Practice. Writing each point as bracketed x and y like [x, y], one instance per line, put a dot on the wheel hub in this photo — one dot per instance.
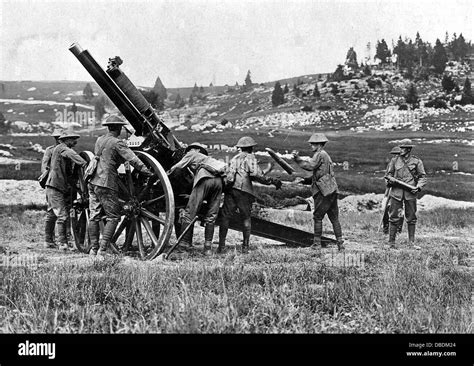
[132, 207]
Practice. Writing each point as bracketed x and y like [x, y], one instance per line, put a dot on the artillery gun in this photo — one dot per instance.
[150, 205]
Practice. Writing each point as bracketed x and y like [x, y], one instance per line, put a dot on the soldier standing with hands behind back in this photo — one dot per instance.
[323, 187]
[408, 169]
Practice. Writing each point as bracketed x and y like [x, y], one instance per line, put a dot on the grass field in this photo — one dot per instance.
[275, 289]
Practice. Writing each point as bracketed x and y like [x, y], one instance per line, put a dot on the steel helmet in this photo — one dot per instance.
[246, 141]
[197, 145]
[317, 138]
[396, 150]
[69, 135]
[406, 143]
[56, 133]
[114, 119]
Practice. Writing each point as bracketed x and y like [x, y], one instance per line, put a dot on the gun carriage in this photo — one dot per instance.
[150, 205]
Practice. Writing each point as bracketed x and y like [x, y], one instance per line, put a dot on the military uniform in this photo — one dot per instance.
[207, 186]
[324, 202]
[58, 191]
[395, 151]
[243, 170]
[408, 169]
[46, 161]
[103, 187]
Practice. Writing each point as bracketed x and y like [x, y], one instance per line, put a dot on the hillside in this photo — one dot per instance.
[375, 101]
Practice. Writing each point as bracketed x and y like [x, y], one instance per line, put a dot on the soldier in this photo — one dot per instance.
[48, 152]
[324, 189]
[408, 169]
[103, 187]
[243, 170]
[395, 152]
[207, 185]
[58, 188]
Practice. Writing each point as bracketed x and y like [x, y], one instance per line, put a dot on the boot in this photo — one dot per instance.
[318, 231]
[62, 235]
[187, 240]
[411, 234]
[109, 231]
[94, 234]
[392, 232]
[208, 235]
[246, 234]
[400, 225]
[340, 244]
[50, 225]
[223, 228]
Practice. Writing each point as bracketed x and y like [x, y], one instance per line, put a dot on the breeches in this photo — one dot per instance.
[395, 210]
[210, 190]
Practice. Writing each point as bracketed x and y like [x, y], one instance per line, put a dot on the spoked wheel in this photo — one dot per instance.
[79, 217]
[148, 211]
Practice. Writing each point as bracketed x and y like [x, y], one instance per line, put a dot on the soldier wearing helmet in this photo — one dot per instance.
[61, 181]
[103, 188]
[324, 189]
[239, 194]
[207, 186]
[408, 169]
[394, 152]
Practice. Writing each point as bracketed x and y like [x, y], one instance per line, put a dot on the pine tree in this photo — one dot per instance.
[201, 90]
[195, 89]
[248, 80]
[160, 89]
[88, 93]
[277, 95]
[191, 99]
[448, 83]
[351, 58]
[286, 89]
[412, 96]
[178, 101]
[316, 92]
[382, 52]
[439, 58]
[467, 87]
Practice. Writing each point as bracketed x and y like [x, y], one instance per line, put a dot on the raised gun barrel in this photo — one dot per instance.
[127, 98]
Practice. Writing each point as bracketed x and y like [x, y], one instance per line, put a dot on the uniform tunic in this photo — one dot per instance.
[206, 186]
[409, 170]
[103, 187]
[321, 164]
[46, 161]
[113, 152]
[243, 170]
[61, 180]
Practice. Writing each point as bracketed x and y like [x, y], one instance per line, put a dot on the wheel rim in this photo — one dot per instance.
[79, 220]
[148, 211]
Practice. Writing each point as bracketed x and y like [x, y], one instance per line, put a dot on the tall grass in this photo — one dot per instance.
[269, 291]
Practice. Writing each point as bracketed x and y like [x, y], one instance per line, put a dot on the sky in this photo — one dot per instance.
[204, 41]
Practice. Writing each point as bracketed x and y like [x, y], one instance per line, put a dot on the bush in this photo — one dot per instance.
[467, 99]
[307, 108]
[324, 107]
[437, 103]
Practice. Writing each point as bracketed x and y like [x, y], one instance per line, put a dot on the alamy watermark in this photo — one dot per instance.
[82, 117]
[345, 259]
[10, 260]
